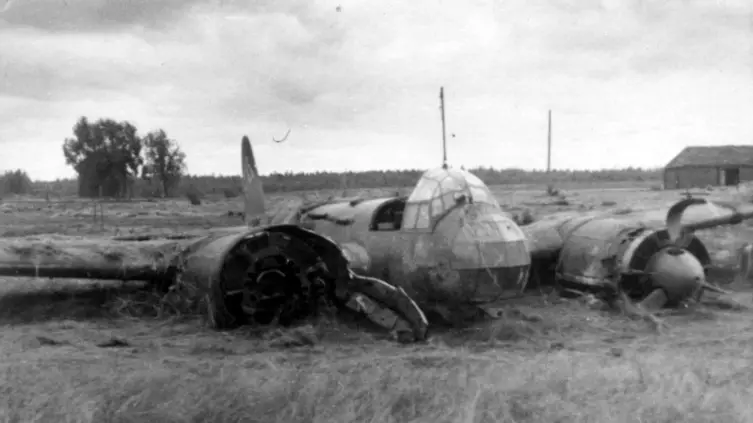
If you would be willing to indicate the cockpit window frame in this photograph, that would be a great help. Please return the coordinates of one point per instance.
(410, 216)
(435, 188)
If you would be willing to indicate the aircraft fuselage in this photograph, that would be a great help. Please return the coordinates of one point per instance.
(471, 255)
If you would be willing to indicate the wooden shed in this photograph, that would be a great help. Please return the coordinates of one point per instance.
(699, 167)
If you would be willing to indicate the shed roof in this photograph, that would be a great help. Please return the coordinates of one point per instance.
(718, 155)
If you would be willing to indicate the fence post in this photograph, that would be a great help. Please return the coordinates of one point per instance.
(98, 214)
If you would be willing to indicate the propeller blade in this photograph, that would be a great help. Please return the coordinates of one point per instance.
(699, 294)
(654, 301)
(713, 288)
(674, 216)
(684, 240)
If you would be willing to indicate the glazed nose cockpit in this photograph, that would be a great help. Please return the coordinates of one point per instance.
(472, 239)
(488, 251)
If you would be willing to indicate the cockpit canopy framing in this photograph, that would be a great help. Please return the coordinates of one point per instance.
(440, 190)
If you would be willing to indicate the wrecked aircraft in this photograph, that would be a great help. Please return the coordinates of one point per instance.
(446, 252)
(453, 249)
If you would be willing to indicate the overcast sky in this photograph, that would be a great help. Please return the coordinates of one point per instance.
(630, 82)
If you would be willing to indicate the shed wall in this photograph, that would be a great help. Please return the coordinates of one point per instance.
(700, 177)
(746, 174)
(692, 177)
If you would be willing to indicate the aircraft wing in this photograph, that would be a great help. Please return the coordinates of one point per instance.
(704, 214)
(217, 264)
(89, 258)
(546, 237)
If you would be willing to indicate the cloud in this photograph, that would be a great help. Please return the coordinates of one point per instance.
(93, 15)
(613, 38)
(66, 66)
(366, 78)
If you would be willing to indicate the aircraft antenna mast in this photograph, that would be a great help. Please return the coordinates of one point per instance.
(549, 144)
(444, 136)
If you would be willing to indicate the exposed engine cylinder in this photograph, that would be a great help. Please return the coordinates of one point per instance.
(283, 273)
(276, 274)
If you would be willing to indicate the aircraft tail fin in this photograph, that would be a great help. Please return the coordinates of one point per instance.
(253, 191)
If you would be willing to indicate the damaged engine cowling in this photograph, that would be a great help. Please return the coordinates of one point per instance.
(611, 254)
(281, 273)
(660, 268)
(273, 274)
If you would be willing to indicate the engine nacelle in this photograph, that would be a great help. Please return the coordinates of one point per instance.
(280, 273)
(261, 275)
(603, 252)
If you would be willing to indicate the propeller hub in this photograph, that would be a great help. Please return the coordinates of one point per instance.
(677, 272)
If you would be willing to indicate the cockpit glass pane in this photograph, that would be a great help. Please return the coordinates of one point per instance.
(423, 217)
(449, 199)
(453, 183)
(409, 216)
(472, 179)
(424, 191)
(437, 207)
(482, 195)
(450, 184)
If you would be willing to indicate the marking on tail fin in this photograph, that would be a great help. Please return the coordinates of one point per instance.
(253, 191)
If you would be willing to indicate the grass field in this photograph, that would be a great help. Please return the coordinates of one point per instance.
(96, 356)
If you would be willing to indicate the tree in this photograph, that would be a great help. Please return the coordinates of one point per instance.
(165, 162)
(16, 182)
(104, 154)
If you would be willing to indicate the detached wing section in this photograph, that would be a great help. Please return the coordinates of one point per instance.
(78, 258)
(262, 275)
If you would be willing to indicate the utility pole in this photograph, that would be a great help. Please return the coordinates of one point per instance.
(444, 137)
(549, 145)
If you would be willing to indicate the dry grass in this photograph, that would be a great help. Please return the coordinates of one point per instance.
(78, 361)
(101, 355)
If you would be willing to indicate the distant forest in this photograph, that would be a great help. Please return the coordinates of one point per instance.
(230, 186)
(114, 160)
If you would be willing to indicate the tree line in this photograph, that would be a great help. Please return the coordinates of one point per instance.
(230, 186)
(110, 156)
(113, 160)
(16, 182)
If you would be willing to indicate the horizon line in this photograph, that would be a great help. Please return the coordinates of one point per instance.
(355, 172)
